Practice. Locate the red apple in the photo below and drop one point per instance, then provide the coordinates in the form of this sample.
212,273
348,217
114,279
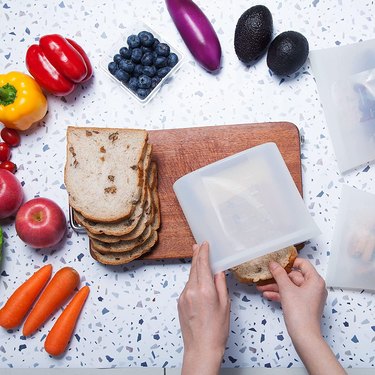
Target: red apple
40,223
11,194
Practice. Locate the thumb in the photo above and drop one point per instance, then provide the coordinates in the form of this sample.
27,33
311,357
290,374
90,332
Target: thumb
280,275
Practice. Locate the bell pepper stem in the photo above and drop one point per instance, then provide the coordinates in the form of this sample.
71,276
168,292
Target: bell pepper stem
8,94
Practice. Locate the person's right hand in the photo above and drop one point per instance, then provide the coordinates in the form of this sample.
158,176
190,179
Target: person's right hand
302,294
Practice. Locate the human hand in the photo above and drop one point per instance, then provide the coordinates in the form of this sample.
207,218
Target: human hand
302,294
203,310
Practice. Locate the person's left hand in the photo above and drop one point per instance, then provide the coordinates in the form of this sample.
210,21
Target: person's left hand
203,310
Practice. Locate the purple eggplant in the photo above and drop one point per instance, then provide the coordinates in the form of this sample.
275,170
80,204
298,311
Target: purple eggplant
197,32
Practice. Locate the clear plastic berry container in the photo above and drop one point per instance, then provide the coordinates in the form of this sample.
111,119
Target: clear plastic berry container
134,29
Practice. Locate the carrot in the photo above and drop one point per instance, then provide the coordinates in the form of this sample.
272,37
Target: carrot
20,302
58,338
56,293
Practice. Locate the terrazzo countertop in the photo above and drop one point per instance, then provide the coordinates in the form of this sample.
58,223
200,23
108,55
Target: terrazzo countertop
131,316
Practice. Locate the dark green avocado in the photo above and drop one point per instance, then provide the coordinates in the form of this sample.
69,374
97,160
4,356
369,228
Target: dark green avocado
253,33
287,53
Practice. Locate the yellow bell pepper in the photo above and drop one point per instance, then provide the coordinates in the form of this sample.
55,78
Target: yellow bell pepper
22,102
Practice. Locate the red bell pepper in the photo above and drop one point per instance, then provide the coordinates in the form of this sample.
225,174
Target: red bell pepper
58,64
85,58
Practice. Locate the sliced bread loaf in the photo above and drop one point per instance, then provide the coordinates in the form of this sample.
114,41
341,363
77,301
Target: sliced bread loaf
256,270
104,171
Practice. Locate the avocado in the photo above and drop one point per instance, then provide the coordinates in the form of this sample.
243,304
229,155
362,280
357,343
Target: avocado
253,33
287,53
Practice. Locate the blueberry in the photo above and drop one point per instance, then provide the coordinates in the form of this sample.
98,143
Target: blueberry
147,59
112,67
126,65
122,75
155,81
163,71
146,49
117,58
162,49
133,84
146,38
149,70
138,70
137,55
144,82
160,62
143,93
134,41
126,53
172,60
156,42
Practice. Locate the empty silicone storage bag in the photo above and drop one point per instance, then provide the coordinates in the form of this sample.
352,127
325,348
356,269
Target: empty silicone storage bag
245,206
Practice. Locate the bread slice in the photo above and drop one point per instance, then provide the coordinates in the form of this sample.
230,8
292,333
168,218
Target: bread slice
104,171
121,246
256,270
123,227
156,203
123,258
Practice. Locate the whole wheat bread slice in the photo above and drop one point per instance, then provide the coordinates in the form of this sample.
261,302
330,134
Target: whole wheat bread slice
256,270
121,246
104,171
123,258
157,217
123,227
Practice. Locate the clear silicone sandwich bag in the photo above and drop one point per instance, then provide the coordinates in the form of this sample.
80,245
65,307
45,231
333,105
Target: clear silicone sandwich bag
245,206
345,77
352,257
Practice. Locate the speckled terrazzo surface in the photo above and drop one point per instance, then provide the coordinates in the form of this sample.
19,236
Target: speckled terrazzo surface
131,317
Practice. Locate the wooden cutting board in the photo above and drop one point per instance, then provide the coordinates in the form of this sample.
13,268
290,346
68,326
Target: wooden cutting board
180,151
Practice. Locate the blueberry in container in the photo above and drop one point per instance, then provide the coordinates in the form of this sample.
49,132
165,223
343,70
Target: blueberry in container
141,61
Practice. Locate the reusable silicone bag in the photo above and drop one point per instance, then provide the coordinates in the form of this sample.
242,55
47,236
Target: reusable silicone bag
245,206
346,83
352,258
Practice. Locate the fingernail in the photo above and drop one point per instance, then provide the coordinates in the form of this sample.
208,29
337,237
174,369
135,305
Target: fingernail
204,243
273,265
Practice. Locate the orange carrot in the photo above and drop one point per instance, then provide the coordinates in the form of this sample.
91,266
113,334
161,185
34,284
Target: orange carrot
20,302
58,338
56,293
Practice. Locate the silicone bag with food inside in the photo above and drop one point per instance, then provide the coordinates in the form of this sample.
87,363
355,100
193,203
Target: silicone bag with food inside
345,77
245,206
352,255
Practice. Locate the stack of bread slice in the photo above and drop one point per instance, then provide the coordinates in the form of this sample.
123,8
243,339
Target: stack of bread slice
112,187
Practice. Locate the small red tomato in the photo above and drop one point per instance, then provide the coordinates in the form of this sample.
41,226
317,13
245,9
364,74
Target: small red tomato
9,166
4,151
10,137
